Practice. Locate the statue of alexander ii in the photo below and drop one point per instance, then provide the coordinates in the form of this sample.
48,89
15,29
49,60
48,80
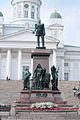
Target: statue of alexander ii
39,32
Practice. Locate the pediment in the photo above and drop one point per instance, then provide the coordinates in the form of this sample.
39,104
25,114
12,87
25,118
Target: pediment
24,36
20,36
25,39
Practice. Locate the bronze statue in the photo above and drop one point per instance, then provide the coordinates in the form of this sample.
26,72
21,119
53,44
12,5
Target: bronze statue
54,80
38,76
45,79
40,32
27,74
41,79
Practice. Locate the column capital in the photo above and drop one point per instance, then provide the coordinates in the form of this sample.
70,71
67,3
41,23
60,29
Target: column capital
9,49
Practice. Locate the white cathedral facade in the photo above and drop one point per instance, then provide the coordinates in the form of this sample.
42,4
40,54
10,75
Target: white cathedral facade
17,41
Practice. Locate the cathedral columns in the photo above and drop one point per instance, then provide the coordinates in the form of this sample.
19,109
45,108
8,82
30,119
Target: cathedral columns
62,68
54,58
9,63
19,65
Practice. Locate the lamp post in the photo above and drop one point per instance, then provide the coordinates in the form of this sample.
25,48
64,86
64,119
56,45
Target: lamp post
74,90
79,91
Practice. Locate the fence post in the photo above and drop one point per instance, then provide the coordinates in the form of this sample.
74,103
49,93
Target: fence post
13,109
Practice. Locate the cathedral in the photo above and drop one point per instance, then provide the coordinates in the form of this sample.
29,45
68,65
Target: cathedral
17,41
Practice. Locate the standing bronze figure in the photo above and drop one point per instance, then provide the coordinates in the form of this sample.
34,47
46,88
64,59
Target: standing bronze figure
41,79
40,32
27,74
54,80
38,76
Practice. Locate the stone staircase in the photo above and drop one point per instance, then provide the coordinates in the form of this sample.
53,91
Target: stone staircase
44,116
10,91
67,94
48,116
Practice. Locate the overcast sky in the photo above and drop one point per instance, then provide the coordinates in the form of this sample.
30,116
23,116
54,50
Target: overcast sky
69,10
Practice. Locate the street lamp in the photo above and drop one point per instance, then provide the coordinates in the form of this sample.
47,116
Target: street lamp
74,90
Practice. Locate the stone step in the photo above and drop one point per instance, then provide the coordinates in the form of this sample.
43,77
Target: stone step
43,116
48,115
10,91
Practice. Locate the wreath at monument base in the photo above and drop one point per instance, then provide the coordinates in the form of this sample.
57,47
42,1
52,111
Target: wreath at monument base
44,105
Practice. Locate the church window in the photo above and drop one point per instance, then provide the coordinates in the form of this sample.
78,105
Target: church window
32,15
26,9
32,11
65,64
32,7
66,76
26,14
26,6
56,34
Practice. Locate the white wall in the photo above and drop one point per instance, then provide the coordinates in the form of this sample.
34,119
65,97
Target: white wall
3,69
75,71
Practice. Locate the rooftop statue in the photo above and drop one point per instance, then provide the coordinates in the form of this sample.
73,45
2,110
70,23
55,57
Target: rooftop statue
40,32
27,74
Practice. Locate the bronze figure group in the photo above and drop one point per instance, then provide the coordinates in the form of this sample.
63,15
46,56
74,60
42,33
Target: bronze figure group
41,79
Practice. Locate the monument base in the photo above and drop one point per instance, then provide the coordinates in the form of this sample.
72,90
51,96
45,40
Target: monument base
38,96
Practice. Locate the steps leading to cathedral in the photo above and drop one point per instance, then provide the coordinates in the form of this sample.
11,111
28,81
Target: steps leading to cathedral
10,91
67,93
43,116
48,116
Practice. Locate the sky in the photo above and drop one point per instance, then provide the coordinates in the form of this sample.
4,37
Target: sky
69,10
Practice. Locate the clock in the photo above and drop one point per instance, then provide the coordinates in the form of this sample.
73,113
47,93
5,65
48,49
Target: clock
26,5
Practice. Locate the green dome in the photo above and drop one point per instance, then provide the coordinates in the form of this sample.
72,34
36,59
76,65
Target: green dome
1,15
55,15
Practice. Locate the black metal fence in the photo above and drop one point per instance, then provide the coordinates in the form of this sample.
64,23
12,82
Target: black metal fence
5,108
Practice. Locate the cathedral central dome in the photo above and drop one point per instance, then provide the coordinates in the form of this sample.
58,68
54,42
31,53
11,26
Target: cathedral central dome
26,11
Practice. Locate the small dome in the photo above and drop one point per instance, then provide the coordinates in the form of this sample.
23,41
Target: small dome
1,15
55,15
